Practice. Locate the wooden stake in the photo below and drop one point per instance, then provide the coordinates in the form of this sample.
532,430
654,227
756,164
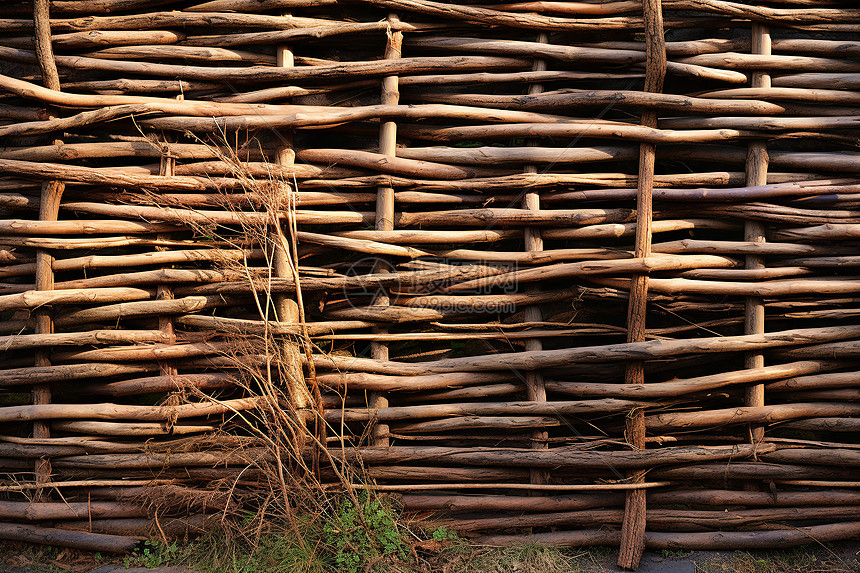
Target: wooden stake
754,231
633,525
49,206
287,308
535,387
167,168
385,212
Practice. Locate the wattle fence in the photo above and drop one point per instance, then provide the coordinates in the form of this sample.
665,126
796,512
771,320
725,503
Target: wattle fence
582,268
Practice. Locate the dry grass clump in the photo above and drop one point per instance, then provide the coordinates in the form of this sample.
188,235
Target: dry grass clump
295,508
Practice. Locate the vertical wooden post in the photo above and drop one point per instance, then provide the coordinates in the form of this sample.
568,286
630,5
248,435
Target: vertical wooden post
51,193
756,174
286,308
535,387
167,168
385,211
633,526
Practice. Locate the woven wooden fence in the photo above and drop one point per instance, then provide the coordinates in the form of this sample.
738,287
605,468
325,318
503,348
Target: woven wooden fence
586,268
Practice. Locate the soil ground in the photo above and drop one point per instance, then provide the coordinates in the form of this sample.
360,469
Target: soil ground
843,557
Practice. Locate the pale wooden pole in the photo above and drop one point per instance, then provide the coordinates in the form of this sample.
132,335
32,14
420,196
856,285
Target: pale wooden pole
286,307
535,387
754,231
385,212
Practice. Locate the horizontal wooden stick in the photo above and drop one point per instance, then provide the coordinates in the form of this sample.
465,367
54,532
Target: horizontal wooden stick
147,352
829,457
385,164
95,176
34,299
564,270
595,98
247,326
161,460
824,424
93,483
774,288
801,94
780,498
675,388
170,19
495,155
485,502
504,77
74,539
129,310
667,519
92,337
748,414
107,149
560,408
763,123
249,6
24,227
821,232
45,511
595,354
739,61
139,278
117,411
90,243
195,216
489,502
511,486
465,423
150,384
130,428
68,372
185,53
296,34
706,541
830,380
551,458
172,527
740,248
822,80
362,381
495,17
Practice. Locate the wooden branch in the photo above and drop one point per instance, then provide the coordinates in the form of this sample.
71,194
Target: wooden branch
117,411
672,541
702,383
748,414
596,354
74,539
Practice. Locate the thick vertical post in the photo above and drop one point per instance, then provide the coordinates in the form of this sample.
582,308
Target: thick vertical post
754,231
167,168
633,526
52,192
287,308
385,210
535,387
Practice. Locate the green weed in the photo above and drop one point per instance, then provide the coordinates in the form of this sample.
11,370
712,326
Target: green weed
154,553
363,535
443,534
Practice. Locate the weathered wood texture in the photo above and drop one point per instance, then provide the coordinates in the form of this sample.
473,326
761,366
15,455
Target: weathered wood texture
532,262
